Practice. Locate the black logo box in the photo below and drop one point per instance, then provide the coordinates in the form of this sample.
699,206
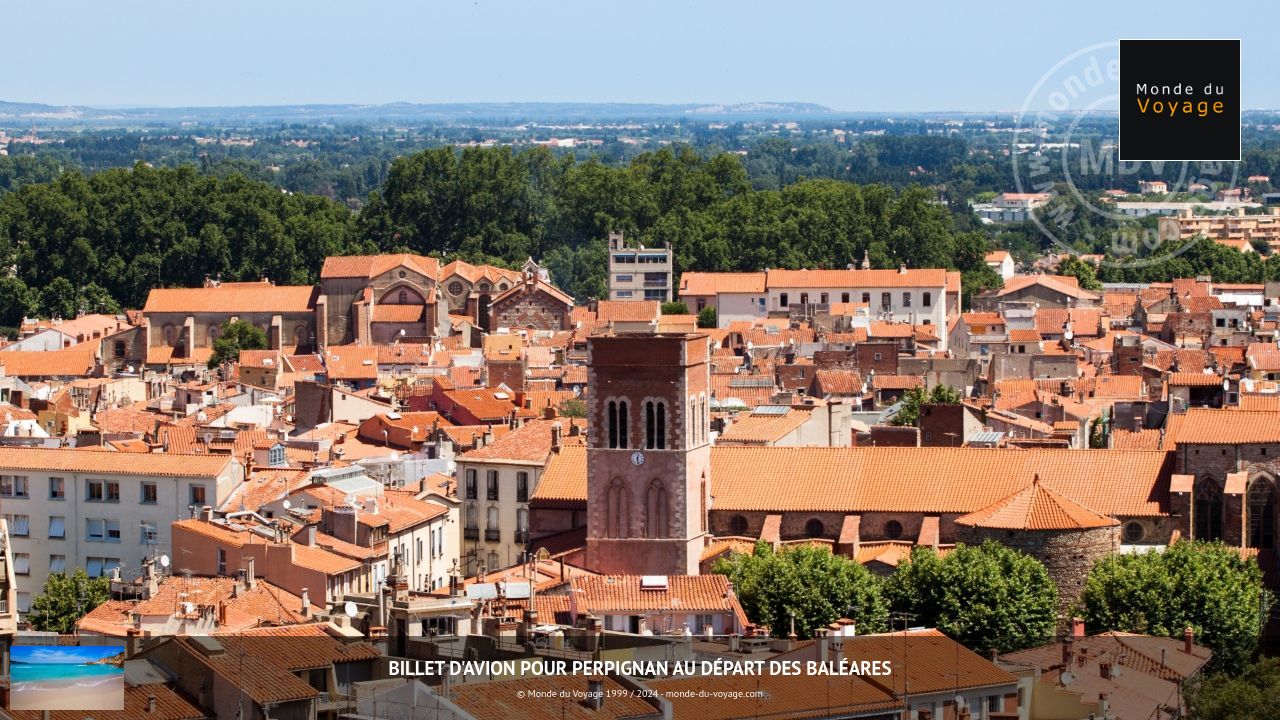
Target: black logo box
1189,65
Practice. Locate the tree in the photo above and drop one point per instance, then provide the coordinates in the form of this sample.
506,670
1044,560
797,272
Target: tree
59,299
236,335
1080,270
573,408
1249,696
1208,587
806,584
909,413
987,597
16,301
675,308
707,318
65,599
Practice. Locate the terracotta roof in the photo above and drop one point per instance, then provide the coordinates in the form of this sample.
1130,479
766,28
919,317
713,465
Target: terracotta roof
1065,285
611,594
169,705
881,329
628,310
1194,379
982,318
927,278
800,696
706,283
1036,507
896,382
530,286
1024,335
756,429
232,298
367,266
483,403
887,479
351,362
1139,440
997,256
465,435
392,313
531,442
75,361
1085,322
837,382
1259,403
505,699
1209,426
84,461
126,420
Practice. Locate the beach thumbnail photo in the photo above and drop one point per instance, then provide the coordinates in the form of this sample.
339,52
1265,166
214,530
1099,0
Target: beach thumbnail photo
52,677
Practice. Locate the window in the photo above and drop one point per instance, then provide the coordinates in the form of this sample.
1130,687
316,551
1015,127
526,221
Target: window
1208,509
624,293
19,525
822,298
471,485
57,488
113,491
655,425
57,527
814,528
148,493
94,529
622,278
119,348
657,518
14,486
491,484
886,300
804,298
893,529
927,300
471,517
522,487
493,560
617,524
113,530
1134,532
197,495
276,455
783,300
57,564
866,298
1261,510
419,555
93,490
222,561
844,297
149,536
21,564
737,525
906,299
617,421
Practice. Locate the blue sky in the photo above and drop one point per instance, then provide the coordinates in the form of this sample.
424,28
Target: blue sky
855,56
62,654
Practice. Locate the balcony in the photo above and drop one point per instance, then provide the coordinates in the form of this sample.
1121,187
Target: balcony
492,535
471,533
522,537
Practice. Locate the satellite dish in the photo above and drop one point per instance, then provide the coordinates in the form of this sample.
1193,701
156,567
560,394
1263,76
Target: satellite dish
286,504
164,561
1068,334
350,609
188,608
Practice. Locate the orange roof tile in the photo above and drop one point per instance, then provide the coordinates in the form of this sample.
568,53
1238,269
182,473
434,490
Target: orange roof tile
232,298
604,594
707,283
1210,426
367,266
1036,507
757,429
351,362
928,277
1065,285
529,443
628,310
1135,440
84,461
392,313
75,361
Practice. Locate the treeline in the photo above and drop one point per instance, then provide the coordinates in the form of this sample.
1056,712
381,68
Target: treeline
99,242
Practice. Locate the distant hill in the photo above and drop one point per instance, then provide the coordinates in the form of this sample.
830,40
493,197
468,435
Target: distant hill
18,114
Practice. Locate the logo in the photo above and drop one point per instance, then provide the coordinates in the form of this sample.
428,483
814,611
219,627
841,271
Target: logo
1180,100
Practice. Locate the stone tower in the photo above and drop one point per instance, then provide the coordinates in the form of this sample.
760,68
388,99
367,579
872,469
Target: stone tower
648,452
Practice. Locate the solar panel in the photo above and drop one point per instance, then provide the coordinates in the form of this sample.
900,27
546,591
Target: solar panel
482,591
771,410
516,590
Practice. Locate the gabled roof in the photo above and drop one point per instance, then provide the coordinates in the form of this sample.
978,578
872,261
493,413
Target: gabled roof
87,461
709,283
531,442
75,361
1064,285
1211,426
612,594
1036,507
368,266
923,278
532,286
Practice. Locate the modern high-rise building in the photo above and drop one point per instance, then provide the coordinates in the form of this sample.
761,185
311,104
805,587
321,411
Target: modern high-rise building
639,273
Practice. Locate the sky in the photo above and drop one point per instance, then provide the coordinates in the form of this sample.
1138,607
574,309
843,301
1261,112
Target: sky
65,654
851,56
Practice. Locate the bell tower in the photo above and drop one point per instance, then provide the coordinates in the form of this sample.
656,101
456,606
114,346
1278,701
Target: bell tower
648,452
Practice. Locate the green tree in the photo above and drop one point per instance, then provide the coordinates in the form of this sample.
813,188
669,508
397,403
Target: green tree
987,597
59,299
236,335
1208,587
1252,695
707,318
66,598
16,301
809,585
573,408
913,399
675,308
1085,272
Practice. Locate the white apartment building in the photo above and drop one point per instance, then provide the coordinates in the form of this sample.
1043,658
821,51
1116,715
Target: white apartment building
639,273
100,510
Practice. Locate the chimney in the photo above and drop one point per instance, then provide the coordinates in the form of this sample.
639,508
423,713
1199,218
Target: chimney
151,704
555,437
206,513
1077,627
311,536
250,580
1188,639
1067,652
1104,707
549,412
373,506
1082,657
222,614
306,604
820,635
595,694
902,269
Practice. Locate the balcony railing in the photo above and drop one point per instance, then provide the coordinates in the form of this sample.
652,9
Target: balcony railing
492,535
471,533
522,537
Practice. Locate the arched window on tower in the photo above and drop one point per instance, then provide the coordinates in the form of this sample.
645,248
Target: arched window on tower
616,510
624,439
1262,512
655,425
1208,509
611,411
657,517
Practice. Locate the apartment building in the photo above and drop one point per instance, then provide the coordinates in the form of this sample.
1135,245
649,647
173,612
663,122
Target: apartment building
1235,229
69,509
639,273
